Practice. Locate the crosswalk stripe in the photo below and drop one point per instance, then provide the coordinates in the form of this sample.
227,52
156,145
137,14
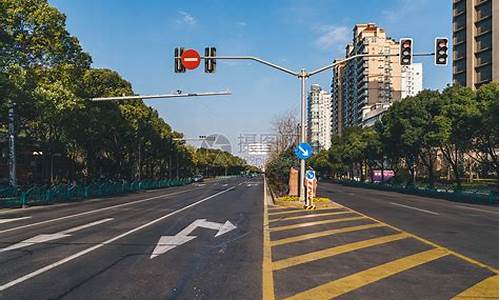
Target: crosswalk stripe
302,225
312,256
486,289
349,283
304,237
311,216
295,211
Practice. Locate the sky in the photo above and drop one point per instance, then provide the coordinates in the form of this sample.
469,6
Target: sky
137,39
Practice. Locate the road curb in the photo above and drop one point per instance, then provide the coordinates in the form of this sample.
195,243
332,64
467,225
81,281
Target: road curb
268,194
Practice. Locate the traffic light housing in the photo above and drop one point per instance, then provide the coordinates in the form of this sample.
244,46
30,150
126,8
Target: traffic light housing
441,54
405,51
210,63
178,67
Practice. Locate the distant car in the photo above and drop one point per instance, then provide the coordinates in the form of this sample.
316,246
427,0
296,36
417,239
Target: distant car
197,178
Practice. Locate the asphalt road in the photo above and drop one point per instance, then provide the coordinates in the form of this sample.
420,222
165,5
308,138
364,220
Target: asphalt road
471,230
107,248
217,240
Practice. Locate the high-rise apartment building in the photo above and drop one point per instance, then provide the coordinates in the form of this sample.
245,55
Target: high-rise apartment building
411,80
475,42
362,83
319,118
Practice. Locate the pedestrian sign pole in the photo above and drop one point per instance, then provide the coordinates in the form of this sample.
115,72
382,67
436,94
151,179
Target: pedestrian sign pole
310,183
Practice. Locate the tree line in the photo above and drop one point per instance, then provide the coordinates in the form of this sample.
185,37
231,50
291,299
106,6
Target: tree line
47,77
431,136
454,131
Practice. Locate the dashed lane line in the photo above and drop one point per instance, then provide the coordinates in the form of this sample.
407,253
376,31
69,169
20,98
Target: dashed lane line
314,235
311,216
302,225
486,289
317,255
477,209
416,208
355,281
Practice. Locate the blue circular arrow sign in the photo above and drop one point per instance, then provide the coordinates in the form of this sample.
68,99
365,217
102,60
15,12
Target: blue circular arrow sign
310,175
303,151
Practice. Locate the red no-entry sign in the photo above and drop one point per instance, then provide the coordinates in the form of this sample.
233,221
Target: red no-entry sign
190,59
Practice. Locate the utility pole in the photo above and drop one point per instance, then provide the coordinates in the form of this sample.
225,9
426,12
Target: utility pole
12,144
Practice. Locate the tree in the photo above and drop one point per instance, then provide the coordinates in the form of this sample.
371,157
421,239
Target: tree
485,142
320,162
459,112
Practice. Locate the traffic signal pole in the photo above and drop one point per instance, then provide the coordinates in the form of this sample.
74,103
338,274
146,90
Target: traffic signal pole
302,76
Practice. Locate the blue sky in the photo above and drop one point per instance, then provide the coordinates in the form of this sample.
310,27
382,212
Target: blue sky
137,38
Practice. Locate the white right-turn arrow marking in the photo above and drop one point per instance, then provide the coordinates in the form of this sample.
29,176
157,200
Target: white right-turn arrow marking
169,242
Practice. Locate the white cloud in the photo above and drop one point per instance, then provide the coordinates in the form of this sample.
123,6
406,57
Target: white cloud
331,37
403,9
187,18
242,24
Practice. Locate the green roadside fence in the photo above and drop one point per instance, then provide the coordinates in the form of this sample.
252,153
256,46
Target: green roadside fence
44,195
485,197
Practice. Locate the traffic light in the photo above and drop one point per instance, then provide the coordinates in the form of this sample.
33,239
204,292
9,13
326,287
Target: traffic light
441,54
210,62
405,51
178,67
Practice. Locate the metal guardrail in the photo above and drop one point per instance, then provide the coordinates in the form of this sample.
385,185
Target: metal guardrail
488,197
43,195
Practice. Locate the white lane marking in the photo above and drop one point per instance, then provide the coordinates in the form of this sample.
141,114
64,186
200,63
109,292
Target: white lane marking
91,211
13,219
225,184
477,209
416,208
42,238
169,242
88,250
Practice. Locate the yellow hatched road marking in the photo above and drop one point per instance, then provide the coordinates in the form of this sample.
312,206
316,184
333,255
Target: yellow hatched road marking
303,237
312,256
461,256
486,289
311,216
294,211
267,260
301,225
352,282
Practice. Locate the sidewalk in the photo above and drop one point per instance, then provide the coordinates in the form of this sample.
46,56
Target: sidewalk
338,252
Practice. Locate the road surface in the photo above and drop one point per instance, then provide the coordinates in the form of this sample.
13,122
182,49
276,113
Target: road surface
225,239
111,258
